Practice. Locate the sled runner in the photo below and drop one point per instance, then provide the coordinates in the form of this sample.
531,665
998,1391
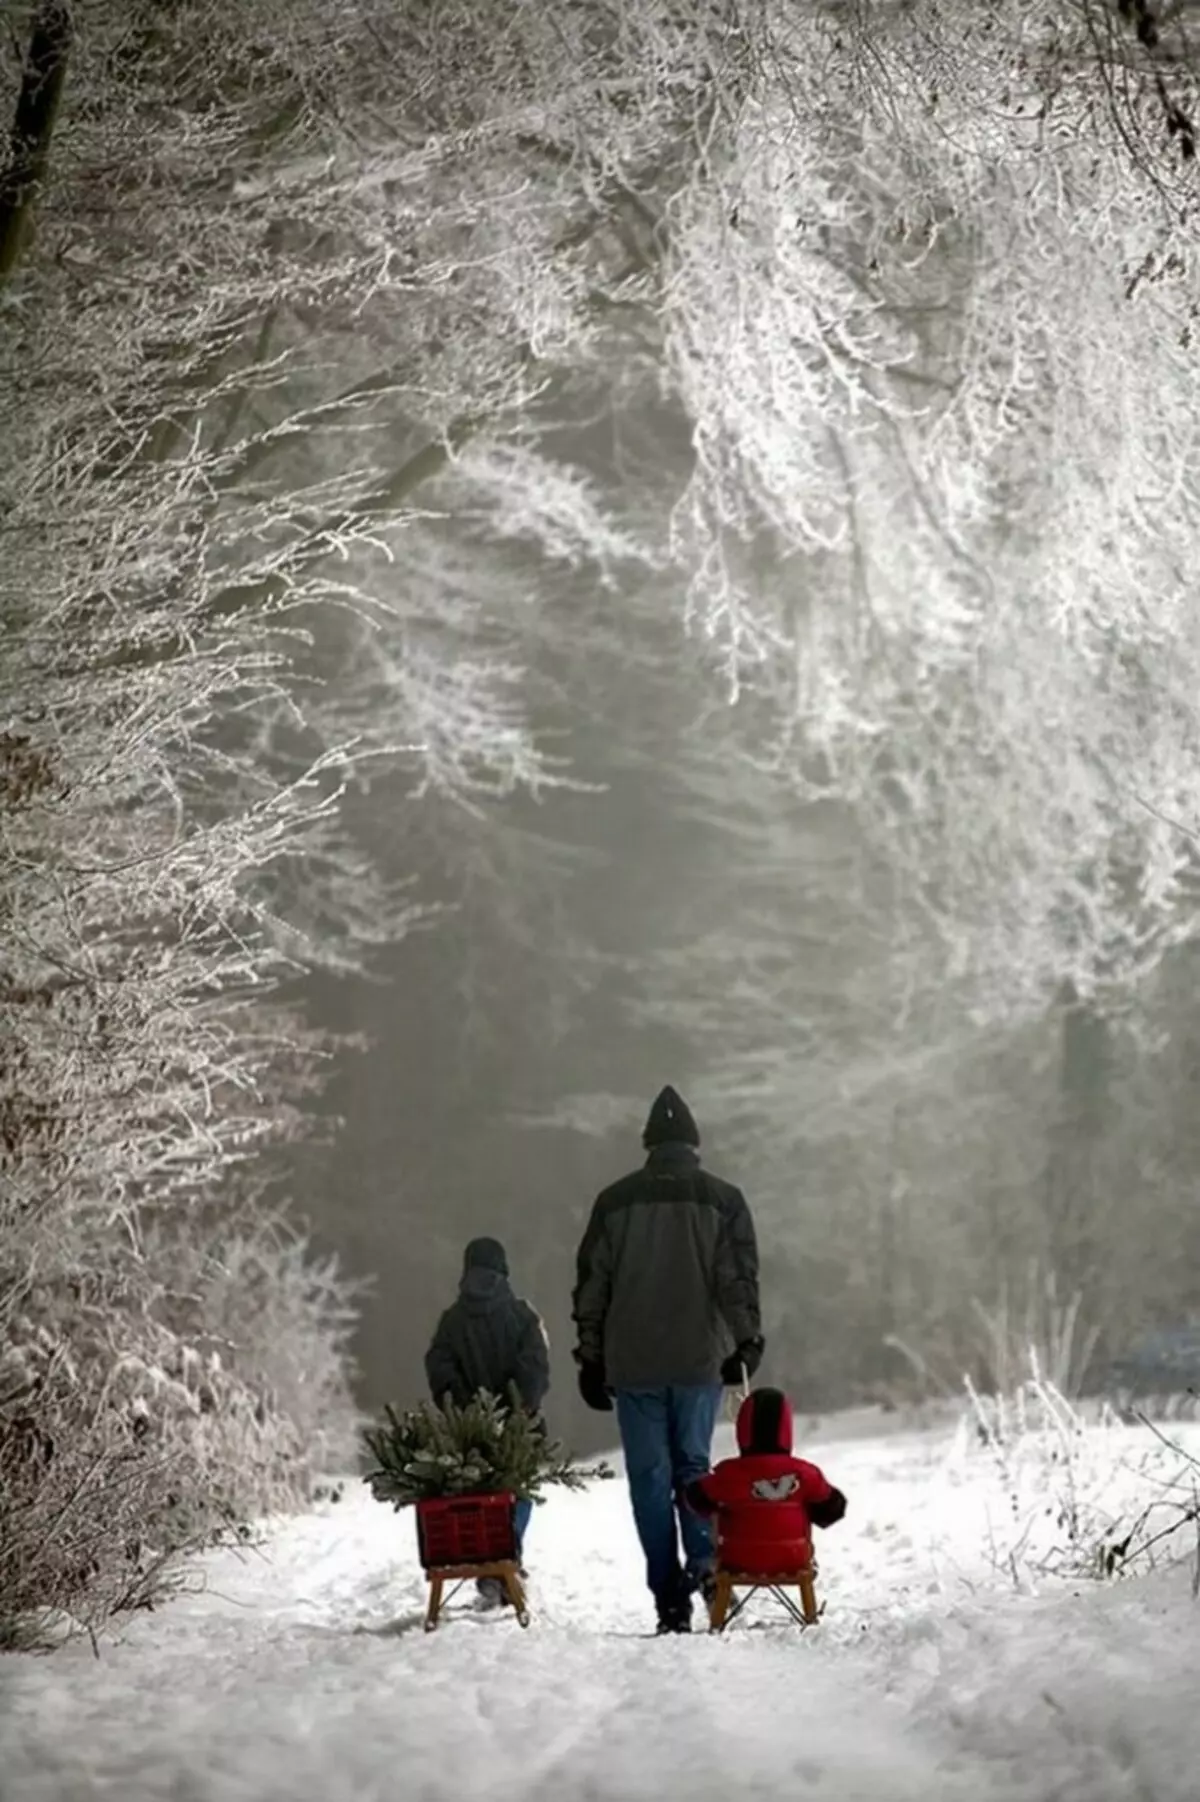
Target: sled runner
463,1538
727,1604
505,1571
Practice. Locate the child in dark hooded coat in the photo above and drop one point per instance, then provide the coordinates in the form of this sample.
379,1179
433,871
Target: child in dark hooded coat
490,1339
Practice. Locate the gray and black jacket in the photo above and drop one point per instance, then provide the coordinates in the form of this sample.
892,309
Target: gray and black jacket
667,1275
488,1339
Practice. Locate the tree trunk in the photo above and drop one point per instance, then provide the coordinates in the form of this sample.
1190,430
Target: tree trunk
1072,1191
891,1200
33,127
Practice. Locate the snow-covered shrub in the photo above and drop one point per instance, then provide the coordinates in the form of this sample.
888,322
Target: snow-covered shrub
1160,1522
284,265
100,1474
1037,1338
1072,1497
150,1407
268,1354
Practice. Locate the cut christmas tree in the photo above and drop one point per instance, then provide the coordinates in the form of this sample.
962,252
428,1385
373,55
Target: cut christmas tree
487,1447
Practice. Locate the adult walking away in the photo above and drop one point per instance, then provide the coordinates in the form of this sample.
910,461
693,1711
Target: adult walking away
667,1280
490,1339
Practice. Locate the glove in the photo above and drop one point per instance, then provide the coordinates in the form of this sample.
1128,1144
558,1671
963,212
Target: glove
746,1359
594,1388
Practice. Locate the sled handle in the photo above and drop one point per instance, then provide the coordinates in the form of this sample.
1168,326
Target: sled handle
734,1401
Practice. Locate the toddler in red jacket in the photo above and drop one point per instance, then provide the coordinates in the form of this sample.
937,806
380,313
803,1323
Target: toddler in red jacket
766,1501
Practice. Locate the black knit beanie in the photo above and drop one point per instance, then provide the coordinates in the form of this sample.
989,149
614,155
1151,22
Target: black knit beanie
486,1254
670,1122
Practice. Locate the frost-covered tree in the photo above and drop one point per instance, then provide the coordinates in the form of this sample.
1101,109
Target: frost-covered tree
932,321
306,314
914,284
280,290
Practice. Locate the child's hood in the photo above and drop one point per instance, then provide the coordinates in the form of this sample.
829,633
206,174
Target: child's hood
764,1422
482,1291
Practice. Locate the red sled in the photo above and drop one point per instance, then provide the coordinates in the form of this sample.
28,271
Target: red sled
463,1537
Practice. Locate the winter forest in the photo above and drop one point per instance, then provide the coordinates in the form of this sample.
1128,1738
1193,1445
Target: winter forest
547,550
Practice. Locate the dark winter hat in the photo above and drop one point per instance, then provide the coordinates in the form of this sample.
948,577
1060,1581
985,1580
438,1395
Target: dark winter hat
670,1122
486,1254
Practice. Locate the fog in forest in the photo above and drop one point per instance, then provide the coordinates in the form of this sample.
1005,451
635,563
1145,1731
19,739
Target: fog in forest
918,1178
546,552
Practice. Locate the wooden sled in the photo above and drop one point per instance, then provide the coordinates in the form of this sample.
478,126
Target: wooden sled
727,1603
505,1570
463,1538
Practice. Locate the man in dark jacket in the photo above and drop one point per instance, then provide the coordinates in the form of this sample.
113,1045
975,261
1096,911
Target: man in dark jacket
667,1283
490,1339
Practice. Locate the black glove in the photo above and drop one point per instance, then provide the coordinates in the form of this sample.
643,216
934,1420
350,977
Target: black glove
594,1388
741,1364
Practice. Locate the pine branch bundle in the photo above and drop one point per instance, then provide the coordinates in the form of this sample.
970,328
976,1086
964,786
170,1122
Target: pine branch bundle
484,1448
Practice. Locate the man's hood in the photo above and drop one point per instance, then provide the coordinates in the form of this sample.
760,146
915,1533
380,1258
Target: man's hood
672,1157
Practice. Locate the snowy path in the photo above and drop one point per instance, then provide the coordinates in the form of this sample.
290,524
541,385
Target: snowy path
300,1673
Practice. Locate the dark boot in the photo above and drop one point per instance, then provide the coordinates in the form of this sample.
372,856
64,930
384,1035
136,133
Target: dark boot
675,1608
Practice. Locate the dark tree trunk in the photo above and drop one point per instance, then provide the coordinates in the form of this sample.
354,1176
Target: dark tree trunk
33,127
1078,1140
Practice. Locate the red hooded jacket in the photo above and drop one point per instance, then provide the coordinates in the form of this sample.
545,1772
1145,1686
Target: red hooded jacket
766,1502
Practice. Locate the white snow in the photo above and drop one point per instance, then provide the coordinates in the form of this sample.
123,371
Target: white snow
299,1672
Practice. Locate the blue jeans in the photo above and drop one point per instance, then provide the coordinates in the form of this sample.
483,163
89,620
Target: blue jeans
667,1437
521,1517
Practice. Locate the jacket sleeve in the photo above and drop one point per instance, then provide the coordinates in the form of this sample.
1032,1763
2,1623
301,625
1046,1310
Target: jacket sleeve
736,1271
441,1365
532,1374
824,1504
593,1288
719,1489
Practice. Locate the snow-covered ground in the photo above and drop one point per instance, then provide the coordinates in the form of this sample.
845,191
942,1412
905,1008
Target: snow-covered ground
299,1672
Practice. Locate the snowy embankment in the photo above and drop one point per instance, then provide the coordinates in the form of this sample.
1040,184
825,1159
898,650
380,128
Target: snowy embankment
299,1672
